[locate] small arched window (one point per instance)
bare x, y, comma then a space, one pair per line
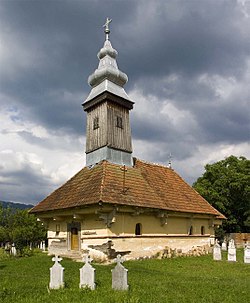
203, 230
57, 229
190, 230
138, 229
96, 123
119, 122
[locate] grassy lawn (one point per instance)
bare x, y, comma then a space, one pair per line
189, 279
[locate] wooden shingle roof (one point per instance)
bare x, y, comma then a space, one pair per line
145, 185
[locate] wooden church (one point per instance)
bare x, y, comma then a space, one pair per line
117, 202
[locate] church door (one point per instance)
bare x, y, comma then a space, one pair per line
74, 238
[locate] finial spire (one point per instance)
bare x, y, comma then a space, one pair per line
107, 30
170, 161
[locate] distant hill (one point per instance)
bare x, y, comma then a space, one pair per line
15, 205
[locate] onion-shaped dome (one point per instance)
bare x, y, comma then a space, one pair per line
107, 68
107, 50
107, 77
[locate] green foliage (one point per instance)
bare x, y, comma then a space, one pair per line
21, 228
226, 186
189, 280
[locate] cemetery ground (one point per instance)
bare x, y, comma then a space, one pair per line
183, 279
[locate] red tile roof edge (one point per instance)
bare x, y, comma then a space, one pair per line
73, 184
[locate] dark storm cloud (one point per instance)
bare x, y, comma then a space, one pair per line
60, 39
153, 39
25, 184
178, 56
204, 36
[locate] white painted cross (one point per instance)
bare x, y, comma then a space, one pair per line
87, 259
119, 275
119, 259
87, 274
56, 259
247, 253
231, 256
217, 251
56, 274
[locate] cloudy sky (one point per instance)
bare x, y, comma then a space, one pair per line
188, 64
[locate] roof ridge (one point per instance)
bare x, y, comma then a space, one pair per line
153, 163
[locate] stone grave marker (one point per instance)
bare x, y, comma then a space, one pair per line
217, 251
87, 274
13, 250
43, 246
119, 275
247, 253
56, 274
224, 246
231, 255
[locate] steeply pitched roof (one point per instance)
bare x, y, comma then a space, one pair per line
145, 185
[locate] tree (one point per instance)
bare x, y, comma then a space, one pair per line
226, 186
26, 229
19, 227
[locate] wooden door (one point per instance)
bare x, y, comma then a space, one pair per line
74, 239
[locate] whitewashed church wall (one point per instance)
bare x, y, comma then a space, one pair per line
93, 225
125, 225
57, 237
57, 229
155, 235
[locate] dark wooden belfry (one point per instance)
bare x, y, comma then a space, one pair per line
108, 133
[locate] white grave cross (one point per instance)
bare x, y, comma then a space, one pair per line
247, 254
13, 250
119, 259
87, 274
57, 259
119, 275
217, 251
231, 256
224, 246
56, 274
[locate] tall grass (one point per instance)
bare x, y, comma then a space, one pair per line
191, 279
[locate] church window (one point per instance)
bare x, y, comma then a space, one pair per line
203, 230
119, 122
58, 229
138, 229
190, 230
96, 123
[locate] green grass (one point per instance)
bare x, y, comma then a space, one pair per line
189, 279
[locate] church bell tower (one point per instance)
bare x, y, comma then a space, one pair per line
108, 133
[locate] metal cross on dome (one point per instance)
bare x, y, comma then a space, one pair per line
107, 30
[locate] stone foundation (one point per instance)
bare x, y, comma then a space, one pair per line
194, 252
105, 249
148, 247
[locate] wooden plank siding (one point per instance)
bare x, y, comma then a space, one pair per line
108, 134
96, 138
118, 138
